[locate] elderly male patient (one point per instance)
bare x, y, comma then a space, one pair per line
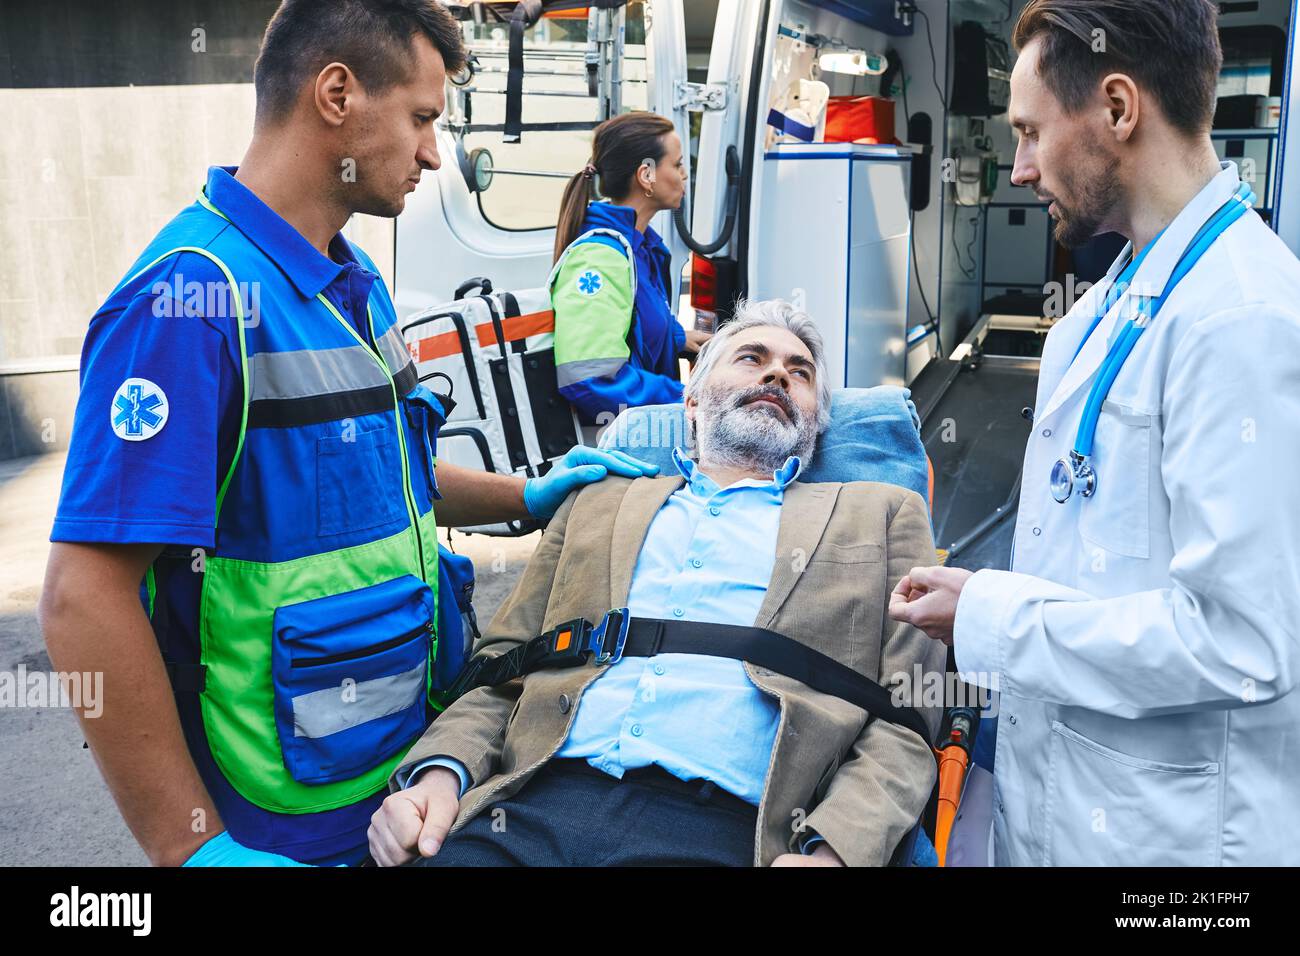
680, 759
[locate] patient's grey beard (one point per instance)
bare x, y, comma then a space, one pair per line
752, 436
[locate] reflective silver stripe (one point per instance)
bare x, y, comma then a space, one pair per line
598, 231
298, 374
393, 348
325, 712
571, 372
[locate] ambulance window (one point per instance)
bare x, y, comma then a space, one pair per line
1254, 61
529, 177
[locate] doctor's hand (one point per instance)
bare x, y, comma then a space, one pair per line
415, 819
581, 466
927, 598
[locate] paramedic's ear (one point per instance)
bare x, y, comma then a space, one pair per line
335, 86
645, 174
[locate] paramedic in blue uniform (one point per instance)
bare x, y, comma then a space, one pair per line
346, 103
617, 341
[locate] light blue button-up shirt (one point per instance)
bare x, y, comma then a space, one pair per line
708, 556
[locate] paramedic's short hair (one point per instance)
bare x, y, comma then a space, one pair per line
371, 37
782, 315
1170, 47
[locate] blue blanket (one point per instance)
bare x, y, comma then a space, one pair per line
874, 435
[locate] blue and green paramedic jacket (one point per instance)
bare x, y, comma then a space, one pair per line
616, 339
249, 403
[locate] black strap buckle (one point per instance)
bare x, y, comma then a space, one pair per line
566, 645
570, 644
574, 642
609, 637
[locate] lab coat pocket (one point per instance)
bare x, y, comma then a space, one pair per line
1117, 517
1108, 808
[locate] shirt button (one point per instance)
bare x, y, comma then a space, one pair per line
715, 511
636, 730
564, 703
1038, 531
1047, 433
696, 563
660, 670
1012, 718
678, 612
1001, 808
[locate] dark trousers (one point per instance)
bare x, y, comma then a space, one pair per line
570, 814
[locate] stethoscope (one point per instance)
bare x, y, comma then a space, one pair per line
1075, 472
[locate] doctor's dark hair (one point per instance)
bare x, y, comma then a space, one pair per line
371, 37
618, 147
1170, 47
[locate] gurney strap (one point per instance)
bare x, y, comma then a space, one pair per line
619, 635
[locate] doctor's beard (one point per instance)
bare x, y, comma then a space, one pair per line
753, 436
1095, 193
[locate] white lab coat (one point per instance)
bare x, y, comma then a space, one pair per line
1147, 640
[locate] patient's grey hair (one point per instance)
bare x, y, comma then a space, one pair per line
782, 315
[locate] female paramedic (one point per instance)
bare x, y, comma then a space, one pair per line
616, 339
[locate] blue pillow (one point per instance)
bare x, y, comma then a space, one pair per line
874, 435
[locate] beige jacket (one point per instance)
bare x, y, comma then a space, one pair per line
840, 550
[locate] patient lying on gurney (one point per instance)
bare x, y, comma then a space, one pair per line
669, 757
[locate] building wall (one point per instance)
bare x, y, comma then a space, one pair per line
110, 114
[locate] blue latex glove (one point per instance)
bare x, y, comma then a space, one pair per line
222, 850
581, 466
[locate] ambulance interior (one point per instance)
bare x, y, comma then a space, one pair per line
852, 156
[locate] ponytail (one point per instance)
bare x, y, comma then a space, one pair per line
619, 146
573, 211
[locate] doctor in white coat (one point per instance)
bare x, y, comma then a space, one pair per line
1146, 643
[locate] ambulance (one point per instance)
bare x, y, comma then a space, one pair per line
851, 156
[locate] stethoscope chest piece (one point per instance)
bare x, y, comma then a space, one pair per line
1075, 472
1071, 474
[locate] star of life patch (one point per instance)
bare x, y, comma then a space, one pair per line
590, 282
139, 410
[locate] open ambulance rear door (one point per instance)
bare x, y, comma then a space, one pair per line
490, 210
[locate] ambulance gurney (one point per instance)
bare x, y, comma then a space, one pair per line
494, 353
874, 435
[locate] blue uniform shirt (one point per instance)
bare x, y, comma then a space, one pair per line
650, 376
145, 462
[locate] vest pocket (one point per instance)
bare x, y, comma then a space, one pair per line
424, 417
350, 674
358, 481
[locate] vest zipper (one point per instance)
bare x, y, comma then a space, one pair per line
401, 439
387, 645
407, 493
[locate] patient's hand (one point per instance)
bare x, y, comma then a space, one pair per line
822, 855
419, 816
